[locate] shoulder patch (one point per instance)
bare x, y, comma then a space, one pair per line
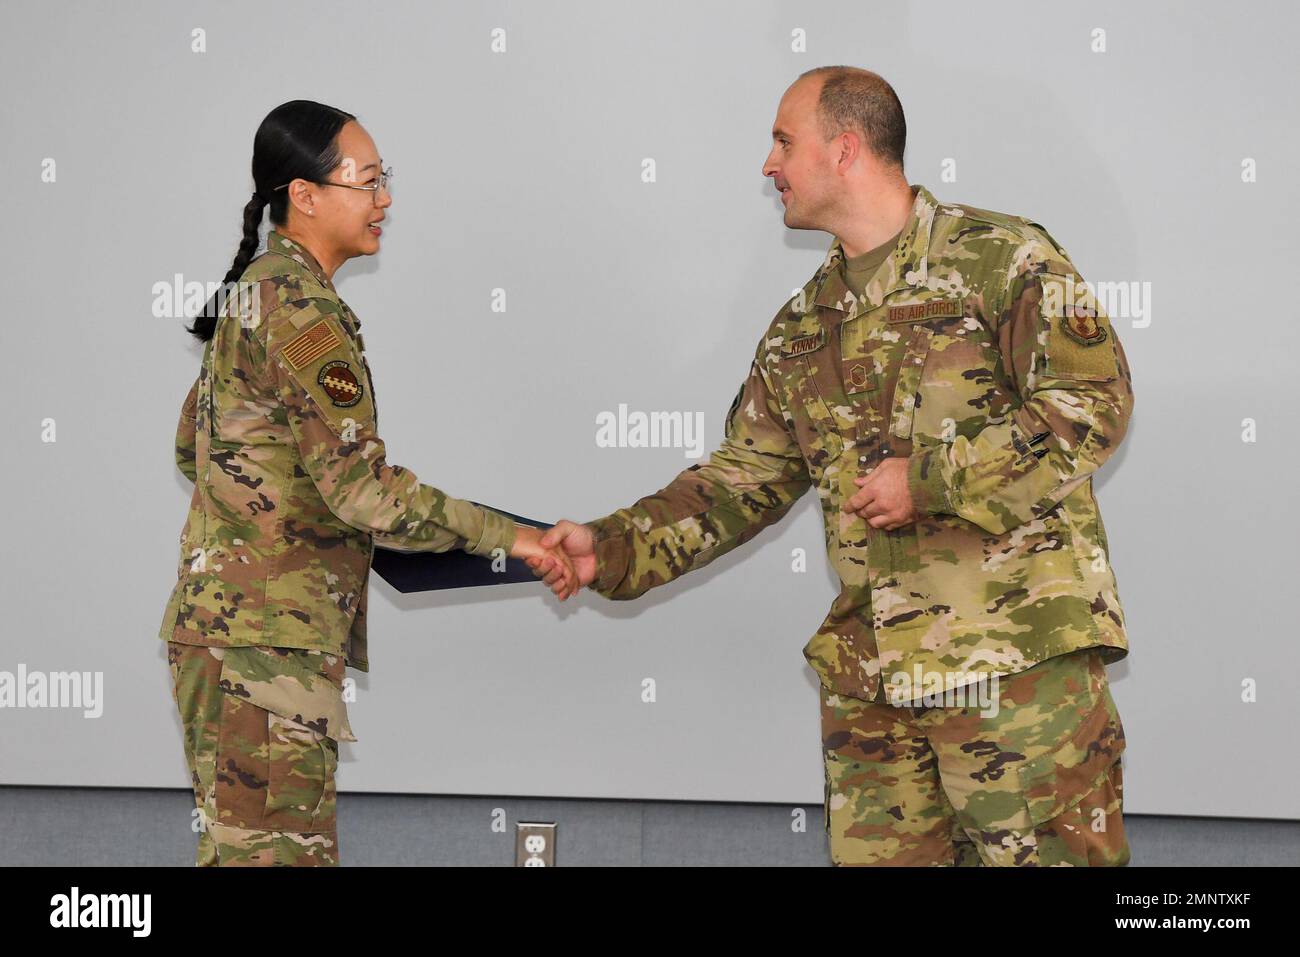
1079, 343
340, 383
310, 345
1081, 325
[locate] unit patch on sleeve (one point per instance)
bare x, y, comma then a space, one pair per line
340, 383
1080, 324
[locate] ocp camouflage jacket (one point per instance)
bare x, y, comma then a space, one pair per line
976, 352
292, 491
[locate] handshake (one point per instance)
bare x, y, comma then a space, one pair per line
563, 556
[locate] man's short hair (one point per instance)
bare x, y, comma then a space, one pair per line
862, 101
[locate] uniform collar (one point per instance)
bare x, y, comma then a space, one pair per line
905, 268
277, 242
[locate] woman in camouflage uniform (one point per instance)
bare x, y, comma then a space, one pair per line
291, 494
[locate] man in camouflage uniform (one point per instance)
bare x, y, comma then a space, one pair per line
950, 409
291, 494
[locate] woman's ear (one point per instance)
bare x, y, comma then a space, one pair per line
302, 196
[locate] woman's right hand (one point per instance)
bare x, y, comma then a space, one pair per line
528, 546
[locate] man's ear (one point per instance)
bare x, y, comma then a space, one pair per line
850, 146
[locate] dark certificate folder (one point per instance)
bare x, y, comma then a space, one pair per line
431, 571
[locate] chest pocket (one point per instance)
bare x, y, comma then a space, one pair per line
807, 369
907, 386
946, 384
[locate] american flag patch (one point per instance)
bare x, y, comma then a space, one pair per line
311, 345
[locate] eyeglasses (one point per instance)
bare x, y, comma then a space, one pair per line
381, 183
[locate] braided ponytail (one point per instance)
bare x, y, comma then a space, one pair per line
205, 323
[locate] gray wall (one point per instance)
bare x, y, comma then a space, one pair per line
522, 171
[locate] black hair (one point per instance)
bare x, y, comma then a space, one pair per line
296, 140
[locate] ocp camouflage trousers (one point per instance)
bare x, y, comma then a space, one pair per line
1035, 782
261, 728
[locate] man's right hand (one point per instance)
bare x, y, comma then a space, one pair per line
578, 543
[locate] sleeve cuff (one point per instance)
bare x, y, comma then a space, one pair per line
612, 551
498, 532
925, 482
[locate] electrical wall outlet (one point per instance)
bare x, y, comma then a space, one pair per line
534, 845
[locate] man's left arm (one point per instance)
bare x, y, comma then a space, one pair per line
1066, 362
